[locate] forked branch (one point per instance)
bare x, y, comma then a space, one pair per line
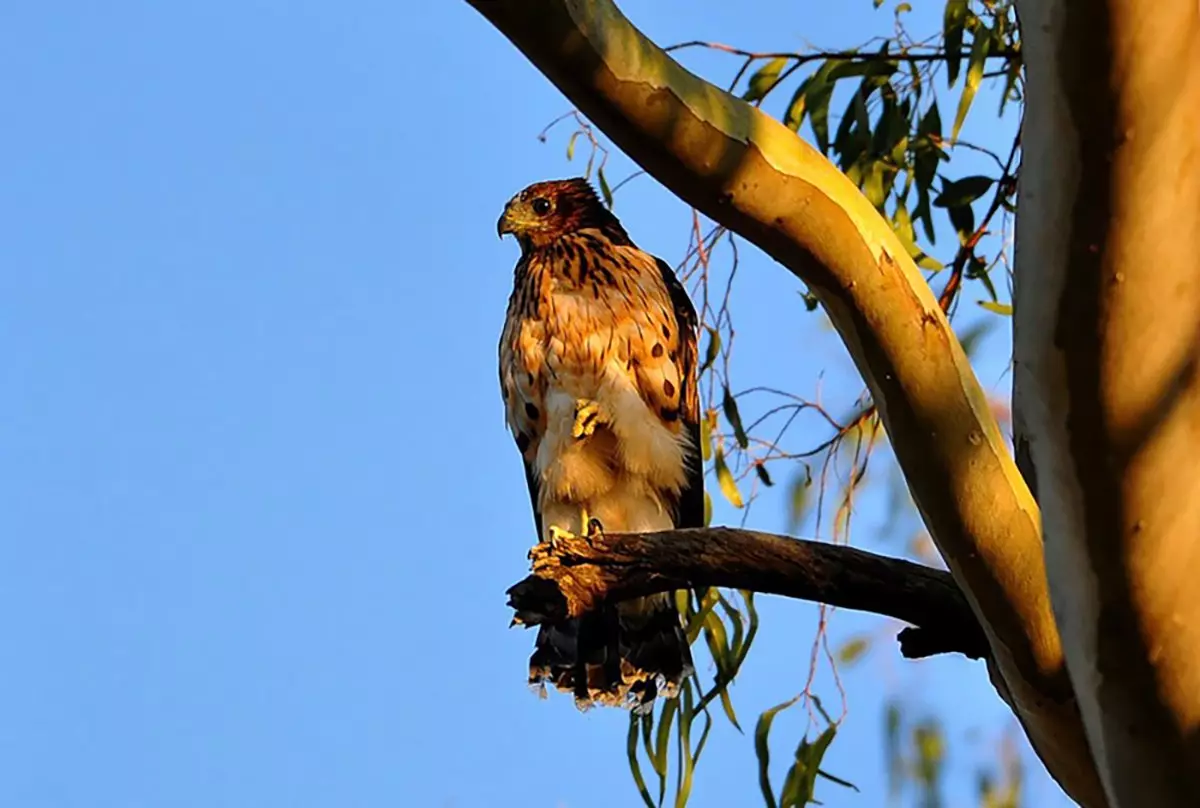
579, 573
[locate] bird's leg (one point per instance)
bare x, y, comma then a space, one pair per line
587, 418
589, 528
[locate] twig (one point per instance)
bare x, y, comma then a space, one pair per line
845, 56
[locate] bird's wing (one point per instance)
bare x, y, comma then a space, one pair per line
522, 400
690, 511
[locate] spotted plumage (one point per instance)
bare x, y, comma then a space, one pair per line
598, 378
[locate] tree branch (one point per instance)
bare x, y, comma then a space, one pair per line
580, 573
841, 56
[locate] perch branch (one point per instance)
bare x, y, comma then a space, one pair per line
580, 573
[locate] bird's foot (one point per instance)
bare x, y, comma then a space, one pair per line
587, 418
545, 553
556, 536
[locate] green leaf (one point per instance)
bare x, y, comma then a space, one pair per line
635, 768
963, 219
851, 650
571, 146
718, 644
877, 67
818, 94
963, 192
707, 509
798, 500
979, 53
953, 21
1011, 77
683, 789
762, 749
969, 339
729, 404
902, 8
931, 752
796, 107
763, 476
727, 706
725, 480
764, 80
892, 748
838, 780
1003, 309
872, 185
707, 426
890, 130
802, 776
605, 191
662, 745
714, 349
931, 122
902, 224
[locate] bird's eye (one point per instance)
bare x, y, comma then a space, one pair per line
541, 206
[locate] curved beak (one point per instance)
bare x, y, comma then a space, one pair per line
505, 224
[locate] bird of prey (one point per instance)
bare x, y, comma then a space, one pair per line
598, 377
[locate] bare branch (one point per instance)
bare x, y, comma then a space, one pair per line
577, 574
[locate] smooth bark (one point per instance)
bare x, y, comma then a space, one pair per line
1106, 384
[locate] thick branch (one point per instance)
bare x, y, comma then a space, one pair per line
583, 572
747, 171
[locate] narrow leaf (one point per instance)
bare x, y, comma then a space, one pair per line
729, 404
796, 107
979, 52
838, 780
713, 350
818, 94
605, 191
762, 749
852, 650
725, 480
1004, 309
953, 21
635, 768
764, 80
962, 192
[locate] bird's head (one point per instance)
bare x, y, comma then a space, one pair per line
546, 211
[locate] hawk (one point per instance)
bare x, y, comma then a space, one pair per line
598, 377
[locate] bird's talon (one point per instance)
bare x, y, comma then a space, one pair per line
587, 418
557, 535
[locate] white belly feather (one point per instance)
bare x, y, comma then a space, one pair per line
623, 471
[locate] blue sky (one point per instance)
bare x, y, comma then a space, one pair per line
258, 505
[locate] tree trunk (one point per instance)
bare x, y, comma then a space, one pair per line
1106, 384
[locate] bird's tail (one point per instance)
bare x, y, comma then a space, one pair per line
620, 655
